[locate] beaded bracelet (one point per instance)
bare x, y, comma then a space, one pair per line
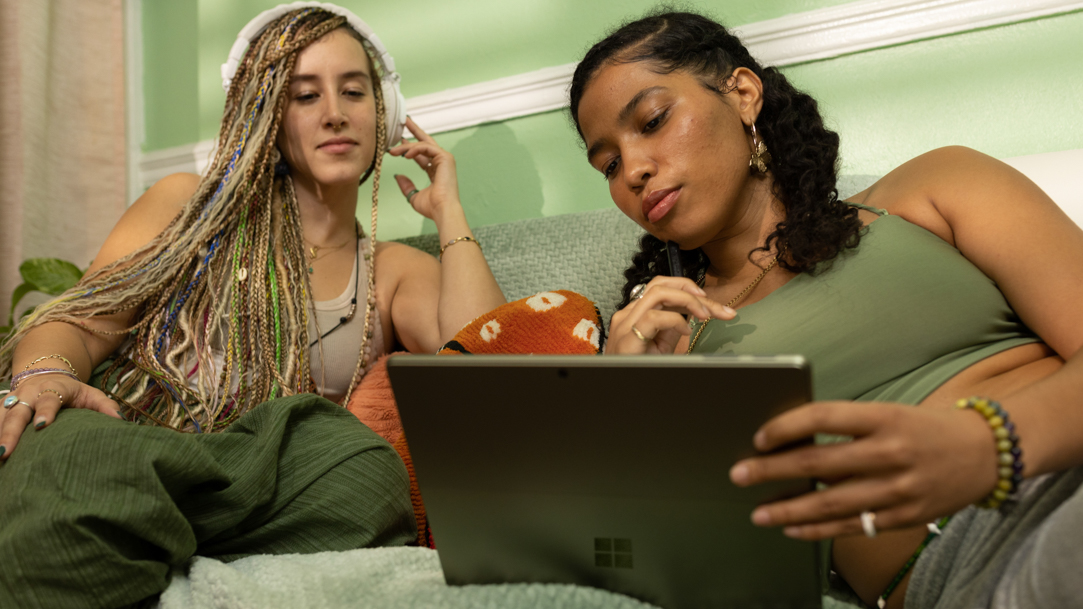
53, 356
1009, 455
19, 378
453, 242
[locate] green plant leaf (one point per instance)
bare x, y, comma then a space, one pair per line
16, 296
50, 275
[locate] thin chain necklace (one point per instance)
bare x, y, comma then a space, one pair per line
353, 301
733, 301
314, 252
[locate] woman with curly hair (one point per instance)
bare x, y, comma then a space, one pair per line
953, 281
223, 303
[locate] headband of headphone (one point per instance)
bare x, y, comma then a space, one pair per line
394, 102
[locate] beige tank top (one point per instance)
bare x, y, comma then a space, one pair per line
334, 358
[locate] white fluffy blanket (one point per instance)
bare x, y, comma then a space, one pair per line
370, 578
397, 578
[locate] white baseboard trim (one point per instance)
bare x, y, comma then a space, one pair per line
797, 38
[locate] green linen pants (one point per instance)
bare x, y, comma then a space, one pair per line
94, 512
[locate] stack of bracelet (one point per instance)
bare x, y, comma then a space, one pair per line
27, 372
1009, 455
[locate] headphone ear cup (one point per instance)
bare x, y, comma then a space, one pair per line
395, 106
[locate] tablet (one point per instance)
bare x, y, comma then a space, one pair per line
606, 471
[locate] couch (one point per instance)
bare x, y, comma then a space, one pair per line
585, 252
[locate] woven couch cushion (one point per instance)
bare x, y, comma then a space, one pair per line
584, 252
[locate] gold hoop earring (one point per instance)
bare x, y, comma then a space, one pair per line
760, 156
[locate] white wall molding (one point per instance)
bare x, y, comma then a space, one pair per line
871, 24
801, 37
188, 158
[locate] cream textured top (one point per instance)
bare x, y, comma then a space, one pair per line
334, 358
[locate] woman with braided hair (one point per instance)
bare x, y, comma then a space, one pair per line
223, 303
953, 281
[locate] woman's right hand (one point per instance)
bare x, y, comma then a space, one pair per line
42, 396
654, 322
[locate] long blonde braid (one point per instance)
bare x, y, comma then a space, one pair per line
227, 276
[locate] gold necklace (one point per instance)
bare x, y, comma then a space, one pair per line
314, 250
733, 301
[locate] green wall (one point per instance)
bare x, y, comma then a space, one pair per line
1007, 91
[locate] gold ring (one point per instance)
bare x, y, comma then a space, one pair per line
59, 397
639, 335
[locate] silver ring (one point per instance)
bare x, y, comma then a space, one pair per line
868, 523
639, 335
410, 195
638, 291
13, 400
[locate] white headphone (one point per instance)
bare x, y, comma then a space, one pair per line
394, 102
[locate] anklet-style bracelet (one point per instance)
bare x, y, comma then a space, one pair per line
1009, 455
935, 528
453, 242
22, 376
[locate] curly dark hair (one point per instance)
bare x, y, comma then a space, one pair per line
804, 153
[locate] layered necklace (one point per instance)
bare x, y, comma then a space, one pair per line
353, 301
313, 252
736, 299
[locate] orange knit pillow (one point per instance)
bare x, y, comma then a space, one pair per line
560, 322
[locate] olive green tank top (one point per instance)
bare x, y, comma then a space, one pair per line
890, 320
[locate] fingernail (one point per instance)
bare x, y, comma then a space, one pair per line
120, 414
794, 532
700, 291
39, 424
739, 474
759, 440
760, 517
728, 310
3, 449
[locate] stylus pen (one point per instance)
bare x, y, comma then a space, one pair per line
674, 252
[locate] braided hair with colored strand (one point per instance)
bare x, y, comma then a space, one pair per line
223, 291
804, 165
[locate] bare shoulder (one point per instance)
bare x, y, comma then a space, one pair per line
396, 262
399, 256
147, 217
942, 188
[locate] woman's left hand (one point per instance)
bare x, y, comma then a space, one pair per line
908, 465
438, 163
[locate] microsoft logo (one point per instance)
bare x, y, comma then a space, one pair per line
613, 552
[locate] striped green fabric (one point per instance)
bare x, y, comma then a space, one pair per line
94, 512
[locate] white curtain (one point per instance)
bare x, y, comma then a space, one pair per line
62, 138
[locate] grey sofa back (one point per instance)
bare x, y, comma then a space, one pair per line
585, 252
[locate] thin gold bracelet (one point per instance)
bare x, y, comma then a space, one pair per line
53, 356
453, 242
